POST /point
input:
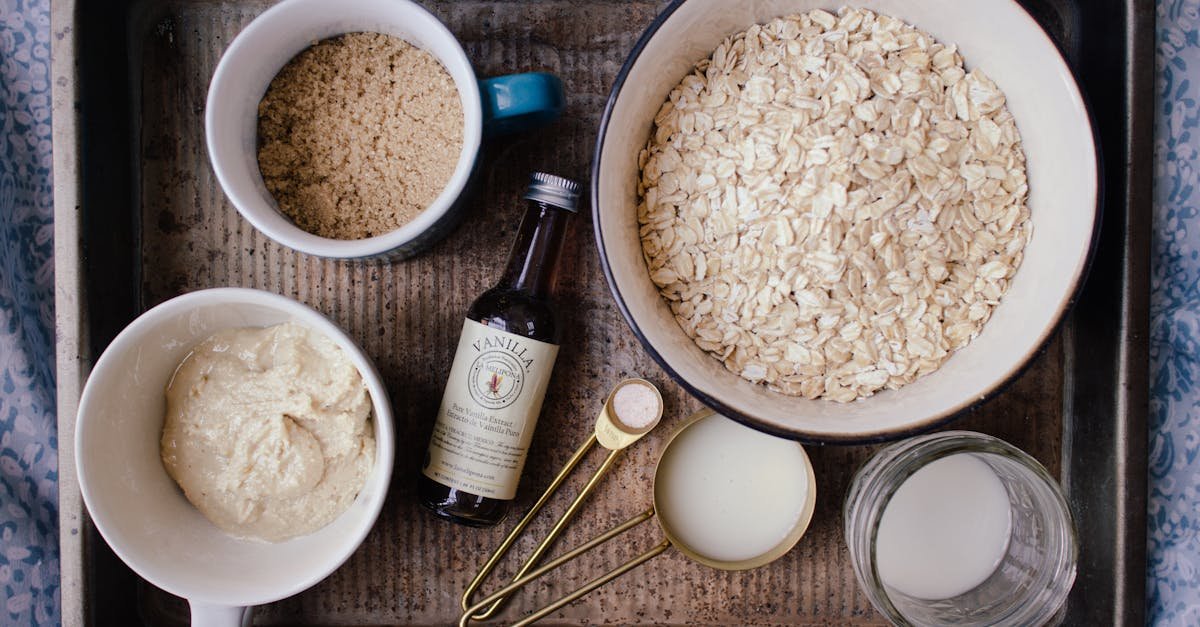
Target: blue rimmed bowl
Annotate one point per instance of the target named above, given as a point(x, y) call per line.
point(1062, 165)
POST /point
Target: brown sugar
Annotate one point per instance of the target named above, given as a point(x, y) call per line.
point(358, 134)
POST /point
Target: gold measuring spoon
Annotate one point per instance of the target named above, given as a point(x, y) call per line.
point(632, 409)
point(725, 495)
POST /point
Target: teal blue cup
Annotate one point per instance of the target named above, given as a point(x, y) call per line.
point(491, 106)
point(519, 102)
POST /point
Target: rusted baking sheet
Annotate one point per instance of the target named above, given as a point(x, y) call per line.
point(140, 218)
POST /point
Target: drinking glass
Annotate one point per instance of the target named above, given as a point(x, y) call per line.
point(1029, 585)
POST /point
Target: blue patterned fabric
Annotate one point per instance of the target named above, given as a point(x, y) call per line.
point(1173, 577)
point(29, 573)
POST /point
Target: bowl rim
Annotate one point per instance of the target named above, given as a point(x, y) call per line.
point(381, 417)
point(867, 436)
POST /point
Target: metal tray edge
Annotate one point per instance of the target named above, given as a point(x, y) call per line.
point(1119, 541)
point(69, 291)
point(72, 331)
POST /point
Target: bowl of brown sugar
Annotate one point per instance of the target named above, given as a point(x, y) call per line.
point(352, 129)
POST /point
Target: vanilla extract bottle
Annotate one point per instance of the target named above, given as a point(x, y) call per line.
point(500, 371)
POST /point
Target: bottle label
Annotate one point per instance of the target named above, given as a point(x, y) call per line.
point(489, 410)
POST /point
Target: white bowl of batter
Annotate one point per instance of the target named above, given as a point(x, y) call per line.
point(141, 511)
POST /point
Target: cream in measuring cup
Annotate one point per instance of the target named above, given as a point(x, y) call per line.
point(730, 493)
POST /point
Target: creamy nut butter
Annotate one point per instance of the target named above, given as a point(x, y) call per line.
point(268, 431)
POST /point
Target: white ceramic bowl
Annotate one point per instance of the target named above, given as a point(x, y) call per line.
point(997, 35)
point(140, 510)
point(256, 56)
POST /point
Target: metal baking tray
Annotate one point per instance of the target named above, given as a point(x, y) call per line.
point(139, 218)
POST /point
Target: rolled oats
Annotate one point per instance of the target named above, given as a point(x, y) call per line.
point(832, 205)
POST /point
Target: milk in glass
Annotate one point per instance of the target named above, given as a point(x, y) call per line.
point(945, 530)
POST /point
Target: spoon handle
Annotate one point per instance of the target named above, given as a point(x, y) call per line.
point(516, 532)
point(520, 582)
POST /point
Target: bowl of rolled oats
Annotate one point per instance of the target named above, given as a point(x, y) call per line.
point(845, 224)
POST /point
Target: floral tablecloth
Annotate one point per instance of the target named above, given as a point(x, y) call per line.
point(28, 444)
point(1173, 577)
